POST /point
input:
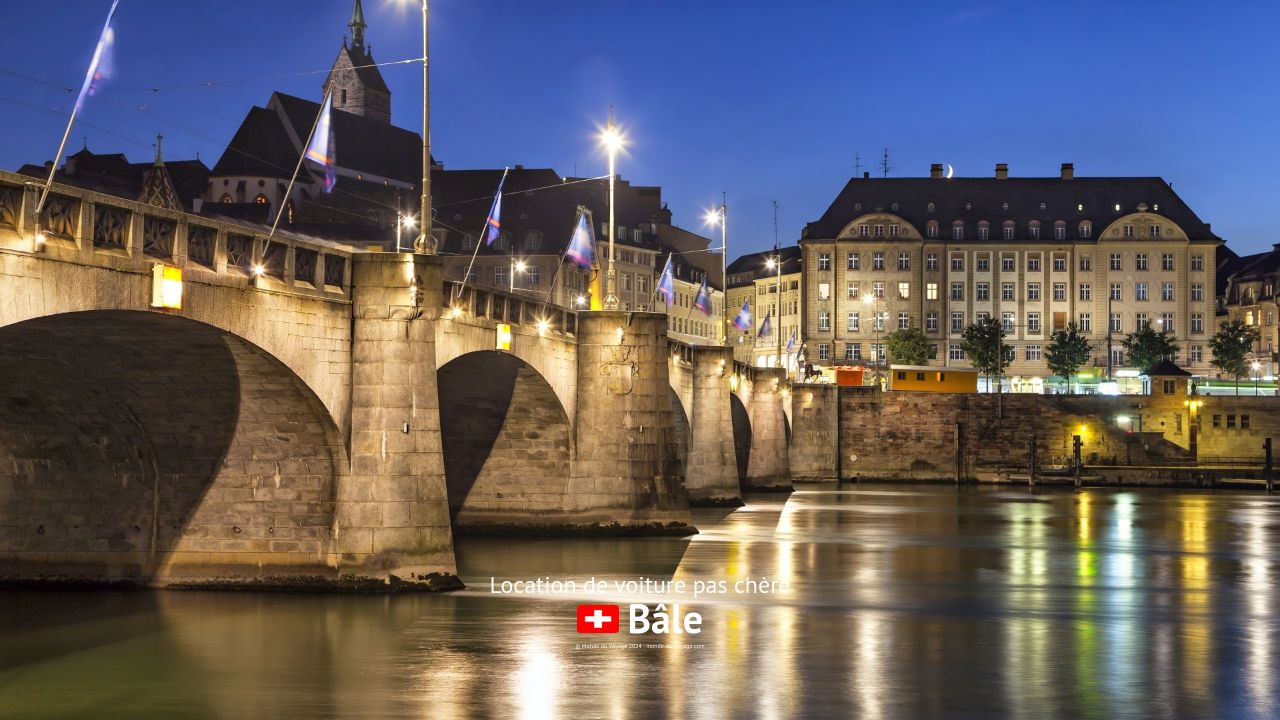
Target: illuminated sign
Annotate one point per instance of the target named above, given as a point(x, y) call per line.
point(504, 336)
point(166, 287)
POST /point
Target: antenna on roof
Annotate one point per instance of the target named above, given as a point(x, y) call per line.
point(857, 164)
point(884, 163)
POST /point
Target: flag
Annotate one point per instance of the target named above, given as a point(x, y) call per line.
point(743, 320)
point(702, 300)
point(791, 341)
point(100, 65)
point(582, 247)
point(666, 285)
point(766, 327)
point(320, 149)
point(493, 225)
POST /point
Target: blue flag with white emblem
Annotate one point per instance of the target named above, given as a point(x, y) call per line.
point(666, 285)
point(791, 341)
point(702, 300)
point(743, 321)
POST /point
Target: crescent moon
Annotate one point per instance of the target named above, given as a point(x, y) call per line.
point(950, 171)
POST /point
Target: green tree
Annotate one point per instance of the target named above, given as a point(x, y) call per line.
point(1231, 346)
point(1147, 347)
point(907, 347)
point(1066, 352)
point(983, 344)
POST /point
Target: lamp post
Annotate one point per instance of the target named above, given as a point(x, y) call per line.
point(422, 245)
point(1257, 367)
point(516, 266)
point(613, 141)
point(870, 299)
point(406, 222)
point(720, 216)
point(775, 263)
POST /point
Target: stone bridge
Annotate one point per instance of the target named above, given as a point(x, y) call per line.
point(318, 415)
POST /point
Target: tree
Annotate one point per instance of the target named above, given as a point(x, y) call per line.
point(1231, 346)
point(907, 347)
point(1066, 352)
point(983, 344)
point(1146, 347)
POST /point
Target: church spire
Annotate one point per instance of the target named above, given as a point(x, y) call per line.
point(357, 26)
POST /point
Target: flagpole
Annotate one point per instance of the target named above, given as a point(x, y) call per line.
point(301, 156)
point(467, 275)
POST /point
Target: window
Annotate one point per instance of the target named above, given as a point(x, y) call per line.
point(1115, 322)
point(1231, 421)
point(931, 291)
point(1169, 386)
point(1086, 322)
point(877, 353)
point(1244, 422)
point(1117, 357)
point(824, 320)
point(983, 318)
point(1140, 291)
point(1197, 354)
point(1116, 262)
point(1033, 229)
point(853, 351)
point(824, 291)
point(1033, 322)
point(260, 200)
point(1166, 261)
point(824, 351)
point(1033, 264)
point(1059, 264)
point(1059, 230)
point(500, 275)
point(1006, 264)
point(642, 284)
point(879, 231)
point(957, 321)
point(904, 291)
point(877, 288)
point(904, 260)
point(1033, 353)
point(1166, 291)
point(1197, 263)
point(853, 293)
point(1006, 291)
point(1141, 320)
point(931, 229)
point(984, 263)
point(1154, 231)
point(931, 262)
point(955, 352)
point(1007, 231)
point(984, 230)
point(1086, 262)
point(878, 321)
point(1059, 291)
point(824, 261)
point(931, 321)
point(864, 231)
point(1128, 231)
point(984, 291)
point(853, 261)
point(1197, 323)
point(533, 275)
point(1166, 322)
point(957, 230)
point(877, 261)
point(1141, 260)
point(957, 263)
point(1197, 291)
point(904, 320)
point(852, 322)
point(1086, 229)
point(1086, 292)
point(957, 291)
point(893, 230)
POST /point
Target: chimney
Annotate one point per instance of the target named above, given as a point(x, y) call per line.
point(935, 171)
point(1068, 171)
point(866, 174)
point(1002, 171)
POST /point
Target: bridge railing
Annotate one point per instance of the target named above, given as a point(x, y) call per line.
point(487, 303)
point(92, 228)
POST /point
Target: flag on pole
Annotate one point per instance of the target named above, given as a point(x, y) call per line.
point(766, 327)
point(702, 300)
point(320, 149)
point(493, 225)
point(666, 285)
point(791, 341)
point(743, 321)
point(100, 65)
point(582, 247)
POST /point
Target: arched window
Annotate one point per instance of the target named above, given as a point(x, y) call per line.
point(532, 241)
point(226, 198)
point(1033, 229)
point(1060, 230)
point(957, 230)
point(1086, 229)
point(261, 199)
point(984, 230)
point(1006, 229)
point(931, 228)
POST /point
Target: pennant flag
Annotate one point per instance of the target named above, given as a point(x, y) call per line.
point(320, 150)
point(493, 226)
point(791, 341)
point(702, 300)
point(100, 65)
point(666, 286)
point(582, 247)
point(766, 327)
point(743, 320)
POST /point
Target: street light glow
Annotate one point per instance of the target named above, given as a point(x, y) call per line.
point(520, 266)
point(712, 217)
point(409, 222)
point(612, 139)
point(580, 300)
point(771, 263)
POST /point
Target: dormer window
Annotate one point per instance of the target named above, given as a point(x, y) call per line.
point(1033, 229)
point(931, 228)
point(957, 230)
point(1007, 230)
point(1086, 229)
point(984, 230)
point(1060, 230)
point(931, 207)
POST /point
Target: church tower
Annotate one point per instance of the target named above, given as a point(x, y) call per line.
point(357, 84)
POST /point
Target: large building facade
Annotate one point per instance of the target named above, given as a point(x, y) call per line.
point(768, 291)
point(1108, 254)
point(1249, 295)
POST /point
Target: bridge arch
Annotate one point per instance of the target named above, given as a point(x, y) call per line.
point(741, 436)
point(144, 446)
point(507, 440)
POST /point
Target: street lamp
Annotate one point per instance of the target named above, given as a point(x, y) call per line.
point(775, 263)
point(407, 222)
point(1257, 367)
point(720, 216)
point(422, 244)
point(517, 266)
point(613, 141)
point(870, 300)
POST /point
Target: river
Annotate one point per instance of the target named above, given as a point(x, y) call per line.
point(890, 601)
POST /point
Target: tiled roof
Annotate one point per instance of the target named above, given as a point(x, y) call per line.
point(113, 174)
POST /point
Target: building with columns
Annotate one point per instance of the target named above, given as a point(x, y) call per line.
point(1035, 254)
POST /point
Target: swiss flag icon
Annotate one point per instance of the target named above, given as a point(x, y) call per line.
point(597, 618)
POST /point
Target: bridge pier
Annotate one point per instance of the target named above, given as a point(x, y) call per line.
point(711, 473)
point(391, 524)
point(768, 467)
point(625, 471)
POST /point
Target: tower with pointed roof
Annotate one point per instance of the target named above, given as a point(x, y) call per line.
point(357, 85)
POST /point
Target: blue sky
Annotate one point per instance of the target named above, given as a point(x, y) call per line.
point(762, 100)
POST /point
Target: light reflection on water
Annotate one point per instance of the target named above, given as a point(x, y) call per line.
point(903, 602)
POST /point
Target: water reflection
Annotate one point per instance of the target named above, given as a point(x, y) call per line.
point(902, 602)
